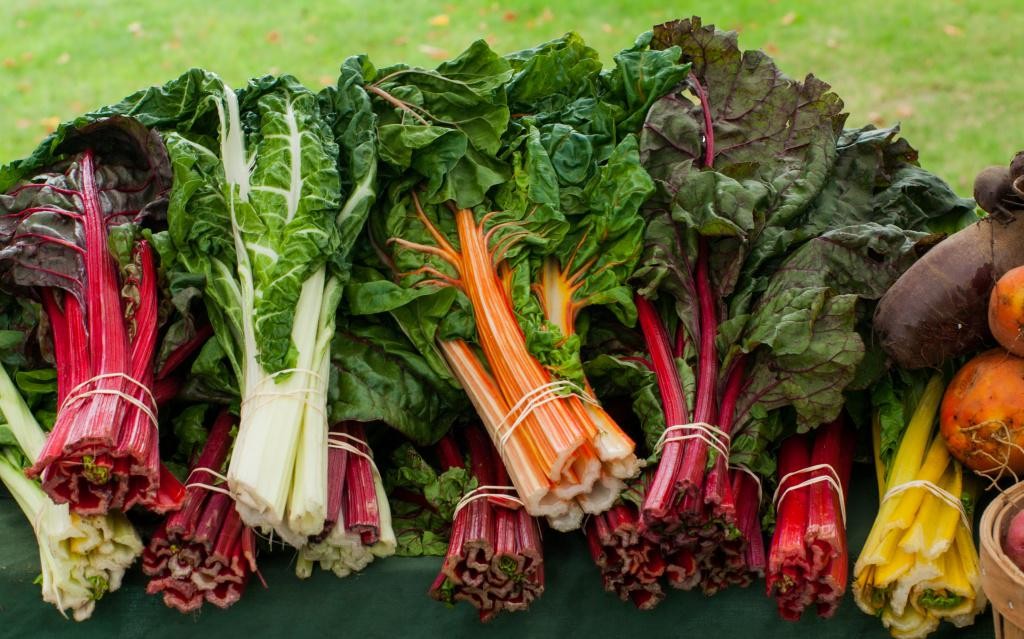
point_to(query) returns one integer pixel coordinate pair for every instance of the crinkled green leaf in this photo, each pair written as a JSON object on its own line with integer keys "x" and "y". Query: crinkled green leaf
{"x": 433, "y": 121}
{"x": 282, "y": 209}
{"x": 211, "y": 377}
{"x": 752, "y": 448}
{"x": 810, "y": 372}
{"x": 423, "y": 528}
{"x": 550, "y": 77}
{"x": 349, "y": 114}
{"x": 378, "y": 375}
{"x": 449, "y": 489}
{"x": 641, "y": 76}
{"x": 190, "y": 431}
{"x": 605, "y": 245}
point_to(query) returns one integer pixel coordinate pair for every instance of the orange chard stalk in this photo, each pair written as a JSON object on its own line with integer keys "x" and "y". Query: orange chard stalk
{"x": 547, "y": 440}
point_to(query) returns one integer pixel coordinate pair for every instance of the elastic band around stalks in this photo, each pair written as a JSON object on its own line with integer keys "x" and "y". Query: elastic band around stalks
{"x": 711, "y": 435}
{"x": 531, "y": 401}
{"x": 339, "y": 445}
{"x": 546, "y": 389}
{"x": 211, "y": 488}
{"x": 831, "y": 478}
{"x": 203, "y": 469}
{"x": 75, "y": 396}
{"x": 481, "y": 492}
{"x": 302, "y": 394}
{"x": 308, "y": 371}
{"x": 937, "y": 491}
{"x": 754, "y": 476}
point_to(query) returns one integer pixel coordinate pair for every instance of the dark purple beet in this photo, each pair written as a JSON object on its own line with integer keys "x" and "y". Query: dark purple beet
{"x": 938, "y": 309}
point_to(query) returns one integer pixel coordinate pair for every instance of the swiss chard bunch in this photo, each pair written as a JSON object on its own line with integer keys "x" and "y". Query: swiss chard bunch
{"x": 72, "y": 233}
{"x": 512, "y": 202}
{"x": 771, "y": 233}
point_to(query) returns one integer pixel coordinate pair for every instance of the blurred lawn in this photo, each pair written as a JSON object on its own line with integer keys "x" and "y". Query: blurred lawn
{"x": 935, "y": 66}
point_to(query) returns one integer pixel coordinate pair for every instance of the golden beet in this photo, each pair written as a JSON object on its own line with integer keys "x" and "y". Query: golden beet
{"x": 982, "y": 414}
{"x": 1006, "y": 311}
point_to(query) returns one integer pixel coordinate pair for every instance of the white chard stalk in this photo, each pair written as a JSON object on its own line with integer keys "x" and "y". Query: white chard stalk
{"x": 278, "y": 471}
{"x": 81, "y": 557}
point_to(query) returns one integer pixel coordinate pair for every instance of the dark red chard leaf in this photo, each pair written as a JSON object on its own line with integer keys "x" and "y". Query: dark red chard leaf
{"x": 764, "y": 123}
{"x": 42, "y": 218}
{"x": 55, "y": 243}
{"x": 771, "y": 146}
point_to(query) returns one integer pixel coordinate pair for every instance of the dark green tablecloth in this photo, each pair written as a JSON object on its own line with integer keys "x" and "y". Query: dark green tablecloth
{"x": 389, "y": 600}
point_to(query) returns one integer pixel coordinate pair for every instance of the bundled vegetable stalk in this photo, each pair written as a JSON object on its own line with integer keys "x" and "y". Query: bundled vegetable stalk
{"x": 769, "y": 225}
{"x": 69, "y": 234}
{"x": 203, "y": 551}
{"x": 631, "y": 565}
{"x": 919, "y": 565}
{"x": 260, "y": 214}
{"x": 807, "y": 560}
{"x": 82, "y": 557}
{"x": 689, "y": 506}
{"x": 358, "y": 525}
{"x": 495, "y": 560}
{"x": 556, "y": 455}
{"x": 497, "y": 230}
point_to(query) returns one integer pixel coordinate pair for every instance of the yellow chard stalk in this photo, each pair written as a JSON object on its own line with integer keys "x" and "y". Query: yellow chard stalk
{"x": 919, "y": 564}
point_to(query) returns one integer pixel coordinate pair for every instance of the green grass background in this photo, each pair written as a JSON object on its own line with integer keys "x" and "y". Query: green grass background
{"x": 948, "y": 70}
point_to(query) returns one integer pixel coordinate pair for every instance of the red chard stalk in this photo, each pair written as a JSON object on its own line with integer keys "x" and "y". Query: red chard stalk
{"x": 56, "y": 230}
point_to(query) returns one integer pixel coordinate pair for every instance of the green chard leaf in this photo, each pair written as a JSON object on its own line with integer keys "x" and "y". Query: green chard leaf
{"x": 282, "y": 209}
{"x": 804, "y": 227}
{"x": 423, "y": 501}
{"x": 561, "y": 191}
{"x": 378, "y": 375}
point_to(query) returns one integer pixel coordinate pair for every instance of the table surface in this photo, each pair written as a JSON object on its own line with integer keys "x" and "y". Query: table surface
{"x": 389, "y": 599}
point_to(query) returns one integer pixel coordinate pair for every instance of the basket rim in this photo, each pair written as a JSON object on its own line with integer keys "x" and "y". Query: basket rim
{"x": 1006, "y": 504}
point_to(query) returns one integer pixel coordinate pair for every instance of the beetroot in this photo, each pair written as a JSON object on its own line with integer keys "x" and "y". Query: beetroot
{"x": 1013, "y": 545}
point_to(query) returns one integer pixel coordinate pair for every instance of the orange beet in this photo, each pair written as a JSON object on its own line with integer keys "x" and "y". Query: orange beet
{"x": 982, "y": 414}
{"x": 1006, "y": 311}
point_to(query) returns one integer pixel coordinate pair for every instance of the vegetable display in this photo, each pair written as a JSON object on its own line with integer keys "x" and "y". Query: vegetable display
{"x": 449, "y": 312}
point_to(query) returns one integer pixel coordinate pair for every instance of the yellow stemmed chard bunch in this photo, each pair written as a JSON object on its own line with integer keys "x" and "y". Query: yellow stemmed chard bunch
{"x": 919, "y": 564}
{"x": 81, "y": 557}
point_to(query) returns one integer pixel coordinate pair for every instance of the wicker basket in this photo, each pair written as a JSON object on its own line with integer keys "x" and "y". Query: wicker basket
{"x": 1001, "y": 579}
